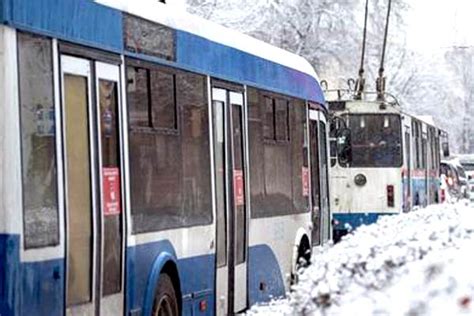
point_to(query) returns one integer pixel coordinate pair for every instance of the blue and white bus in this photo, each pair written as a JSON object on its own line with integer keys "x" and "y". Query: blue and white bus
{"x": 388, "y": 163}
{"x": 151, "y": 162}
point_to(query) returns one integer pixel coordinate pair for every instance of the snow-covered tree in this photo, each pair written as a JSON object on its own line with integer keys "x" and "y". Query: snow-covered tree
{"x": 329, "y": 34}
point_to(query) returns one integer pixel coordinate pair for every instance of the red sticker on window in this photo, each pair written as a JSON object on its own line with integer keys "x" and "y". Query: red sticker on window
{"x": 239, "y": 187}
{"x": 305, "y": 180}
{"x": 111, "y": 191}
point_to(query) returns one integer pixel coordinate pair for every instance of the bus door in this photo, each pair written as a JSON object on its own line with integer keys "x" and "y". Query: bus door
{"x": 424, "y": 151}
{"x": 93, "y": 203}
{"x": 321, "y": 218}
{"x": 429, "y": 167}
{"x": 230, "y": 169}
{"x": 407, "y": 186}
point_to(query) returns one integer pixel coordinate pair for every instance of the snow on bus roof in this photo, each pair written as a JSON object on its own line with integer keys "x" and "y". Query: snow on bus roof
{"x": 428, "y": 119}
{"x": 164, "y": 14}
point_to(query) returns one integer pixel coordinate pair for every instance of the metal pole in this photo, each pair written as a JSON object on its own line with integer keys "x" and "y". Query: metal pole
{"x": 361, "y": 81}
{"x": 381, "y": 79}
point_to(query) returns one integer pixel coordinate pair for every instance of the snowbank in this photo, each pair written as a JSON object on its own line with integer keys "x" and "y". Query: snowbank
{"x": 420, "y": 263}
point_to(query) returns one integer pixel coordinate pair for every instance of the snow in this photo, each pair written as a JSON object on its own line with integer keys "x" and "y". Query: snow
{"x": 418, "y": 263}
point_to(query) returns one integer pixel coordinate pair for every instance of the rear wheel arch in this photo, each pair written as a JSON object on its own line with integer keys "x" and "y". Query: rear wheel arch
{"x": 302, "y": 251}
{"x": 164, "y": 265}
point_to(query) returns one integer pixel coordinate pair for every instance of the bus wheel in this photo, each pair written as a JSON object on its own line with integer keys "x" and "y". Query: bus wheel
{"x": 165, "y": 303}
{"x": 303, "y": 259}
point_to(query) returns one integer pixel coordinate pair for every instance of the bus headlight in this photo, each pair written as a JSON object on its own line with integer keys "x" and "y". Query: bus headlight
{"x": 360, "y": 180}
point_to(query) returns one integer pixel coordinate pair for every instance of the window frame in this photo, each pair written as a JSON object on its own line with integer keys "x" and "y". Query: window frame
{"x": 181, "y": 136}
{"x": 264, "y": 95}
{"x": 267, "y": 203}
{"x": 401, "y": 156}
{"x": 56, "y": 240}
{"x": 149, "y": 67}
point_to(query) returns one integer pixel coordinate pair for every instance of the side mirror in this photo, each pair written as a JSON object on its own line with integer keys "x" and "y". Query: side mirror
{"x": 445, "y": 146}
{"x": 344, "y": 147}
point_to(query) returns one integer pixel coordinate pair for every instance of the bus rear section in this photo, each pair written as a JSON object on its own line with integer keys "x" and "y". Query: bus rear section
{"x": 390, "y": 164}
{"x": 368, "y": 184}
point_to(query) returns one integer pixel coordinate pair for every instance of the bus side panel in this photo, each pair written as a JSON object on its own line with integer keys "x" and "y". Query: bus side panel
{"x": 419, "y": 188}
{"x": 196, "y": 276}
{"x": 2, "y": 11}
{"x": 272, "y": 254}
{"x": 230, "y": 63}
{"x": 103, "y": 27}
{"x": 265, "y": 276}
{"x": 42, "y": 287}
{"x": 10, "y": 177}
{"x": 9, "y": 274}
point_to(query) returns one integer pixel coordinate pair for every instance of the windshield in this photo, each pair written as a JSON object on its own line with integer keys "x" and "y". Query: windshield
{"x": 375, "y": 140}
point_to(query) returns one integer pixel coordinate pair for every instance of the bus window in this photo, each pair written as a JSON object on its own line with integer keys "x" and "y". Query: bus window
{"x": 163, "y": 99}
{"x": 78, "y": 184}
{"x": 324, "y": 199}
{"x": 286, "y": 191}
{"x": 315, "y": 182}
{"x": 139, "y": 104}
{"x": 108, "y": 102}
{"x": 220, "y": 182}
{"x": 417, "y": 146}
{"x": 376, "y": 140}
{"x": 40, "y": 199}
{"x": 269, "y": 126}
{"x": 239, "y": 169}
{"x": 282, "y": 120}
{"x": 170, "y": 169}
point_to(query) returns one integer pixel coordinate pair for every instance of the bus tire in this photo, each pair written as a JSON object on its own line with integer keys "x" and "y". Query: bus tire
{"x": 304, "y": 254}
{"x": 303, "y": 259}
{"x": 165, "y": 302}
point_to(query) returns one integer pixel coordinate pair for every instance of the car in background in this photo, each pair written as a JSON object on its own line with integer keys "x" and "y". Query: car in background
{"x": 453, "y": 186}
{"x": 462, "y": 177}
{"x": 467, "y": 161}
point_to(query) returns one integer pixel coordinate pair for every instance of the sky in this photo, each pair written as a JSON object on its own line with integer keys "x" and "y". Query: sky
{"x": 440, "y": 23}
{"x": 431, "y": 23}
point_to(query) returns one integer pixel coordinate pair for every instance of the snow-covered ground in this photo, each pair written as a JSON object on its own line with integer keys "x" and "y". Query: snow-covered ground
{"x": 420, "y": 263}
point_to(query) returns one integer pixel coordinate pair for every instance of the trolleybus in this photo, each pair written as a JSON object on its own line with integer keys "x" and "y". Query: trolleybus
{"x": 383, "y": 161}
{"x": 151, "y": 162}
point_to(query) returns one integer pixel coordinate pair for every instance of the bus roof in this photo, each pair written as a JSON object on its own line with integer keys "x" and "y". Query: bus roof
{"x": 428, "y": 119}
{"x": 201, "y": 46}
{"x": 159, "y": 12}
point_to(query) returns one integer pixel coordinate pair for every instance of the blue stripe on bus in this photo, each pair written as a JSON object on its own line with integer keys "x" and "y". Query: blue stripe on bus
{"x": 81, "y": 21}
{"x": 29, "y": 288}
{"x": 196, "y": 274}
{"x": 3, "y": 12}
{"x": 9, "y": 272}
{"x": 354, "y": 220}
{"x": 43, "y": 287}
{"x": 419, "y": 187}
{"x": 265, "y": 278}
{"x": 37, "y": 288}
{"x": 88, "y": 23}
{"x": 227, "y": 62}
